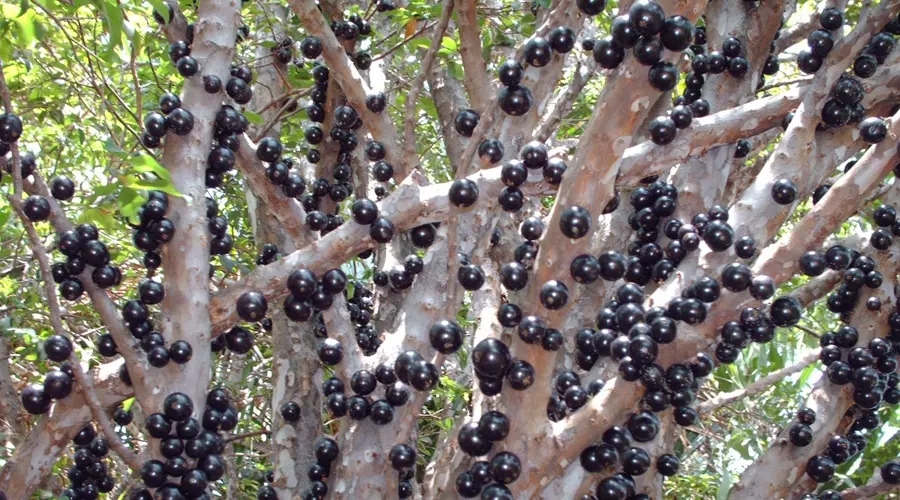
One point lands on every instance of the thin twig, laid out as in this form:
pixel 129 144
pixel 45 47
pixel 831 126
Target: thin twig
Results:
pixel 409 120
pixel 807 330
pixel 245 435
pixel 37 247
pixel 403 42
pixel 757 387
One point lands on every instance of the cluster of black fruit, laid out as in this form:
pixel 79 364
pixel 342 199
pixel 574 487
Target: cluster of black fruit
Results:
pixel 514 98
pixel 278 172
pixel 308 294
pixel 284 51
pixel 401 276
pixel 326 451
pixel 136 314
pixel 351 29
pixel 488 478
pixel 171 117
pixel 859 271
pixel 615 448
pixel 872 371
pixel 647 31
pixel 361 307
pixel 514 173
pixel 877 50
pixel 89 475
pixel 346 122
pixel 184 441
pixel 229 124
pixel 493 363
pixel 82 248
pixel 36 398
pixel 10 131
pixel 646 258
pixel 569 393
pixel 820 41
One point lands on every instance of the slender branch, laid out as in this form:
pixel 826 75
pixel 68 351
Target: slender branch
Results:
pixel 425 27
pixel 412 97
pixel 351 82
pixel 761 385
pixel 246 435
pixel 475 76
pixel 561 107
pixel 869 491
pixel 40 252
pixel 288 211
pixel 410 205
pixel 775 471
pixel 810 331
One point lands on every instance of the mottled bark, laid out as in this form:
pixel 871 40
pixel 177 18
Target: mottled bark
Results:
pixel 50 437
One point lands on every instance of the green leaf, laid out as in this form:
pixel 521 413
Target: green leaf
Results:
pixel 99 217
pixel 5 212
pixel 130 200
pixel 147 164
pixel 449 44
pixel 725 485
pixel 161 8
pixel 420 43
pixel 163 185
pixel 254 118
pixel 114 18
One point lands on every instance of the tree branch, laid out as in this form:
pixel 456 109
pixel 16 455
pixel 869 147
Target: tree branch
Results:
pixel 412 97
pixel 759 386
pixel 869 491
pixel 409 206
pixel 563 104
pixel 288 211
pixel 783 464
pixel 39 451
pixel 185 259
pixel 476 78
pixel 348 77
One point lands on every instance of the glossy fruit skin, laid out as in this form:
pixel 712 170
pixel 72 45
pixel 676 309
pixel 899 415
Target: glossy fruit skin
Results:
pixel 466 121
pixel 505 467
pixel 402 457
pixel 607 53
pixel 635 461
pixel 510 73
pixel 591 7
pixel 491 358
pixel 820 468
pixel 648 17
pixel 471 443
pixel 663 76
pixel 463 193
pixel 890 472
pixel 677 33
pixel 10 128
pixel 662 130
pixel 808 62
pixel 648 50
pixel 575 222
pixel 873 130
pixel 784 191
pixel 62 188
pixel 562 39
pixel 36 208
pixel 537 52
pixel 865 65
pixel 831 19
pixel 515 101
